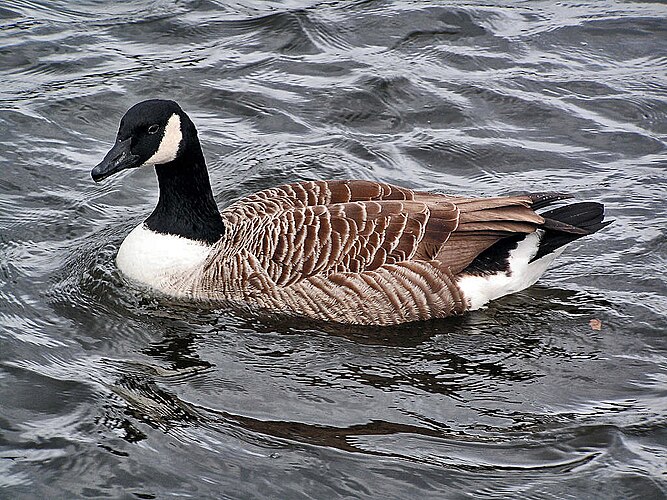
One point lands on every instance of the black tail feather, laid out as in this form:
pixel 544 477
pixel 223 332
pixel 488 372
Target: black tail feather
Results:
pixel 561 226
pixel 577 214
pixel 565 224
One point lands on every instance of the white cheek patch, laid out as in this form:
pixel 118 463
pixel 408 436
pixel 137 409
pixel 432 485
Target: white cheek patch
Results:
pixel 171 140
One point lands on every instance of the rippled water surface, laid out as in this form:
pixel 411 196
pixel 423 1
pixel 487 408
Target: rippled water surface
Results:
pixel 106 391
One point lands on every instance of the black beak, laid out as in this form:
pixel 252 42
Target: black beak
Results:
pixel 119 158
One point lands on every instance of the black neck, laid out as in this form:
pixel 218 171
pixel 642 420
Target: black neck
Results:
pixel 186 206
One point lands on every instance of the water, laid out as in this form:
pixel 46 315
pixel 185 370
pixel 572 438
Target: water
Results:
pixel 106 391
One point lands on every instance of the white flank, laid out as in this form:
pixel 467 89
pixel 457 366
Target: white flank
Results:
pixel 479 290
pixel 171 140
pixel 158 260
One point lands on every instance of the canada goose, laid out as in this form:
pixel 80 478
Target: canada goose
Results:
pixel 347 251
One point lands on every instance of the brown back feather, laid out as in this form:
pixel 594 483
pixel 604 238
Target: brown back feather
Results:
pixel 352 226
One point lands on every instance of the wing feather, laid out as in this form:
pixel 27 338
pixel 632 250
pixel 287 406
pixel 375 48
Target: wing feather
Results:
pixel 328 229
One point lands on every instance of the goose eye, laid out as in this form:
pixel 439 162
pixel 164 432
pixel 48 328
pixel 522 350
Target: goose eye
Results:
pixel 153 129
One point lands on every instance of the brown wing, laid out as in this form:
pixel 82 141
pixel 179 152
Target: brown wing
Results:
pixel 482 223
pixel 359 251
pixel 312 193
pixel 344 237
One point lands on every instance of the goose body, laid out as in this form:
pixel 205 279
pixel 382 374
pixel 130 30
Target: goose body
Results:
pixel 347 251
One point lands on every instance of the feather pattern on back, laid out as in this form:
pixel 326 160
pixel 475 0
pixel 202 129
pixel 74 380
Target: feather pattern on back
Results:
pixel 355 251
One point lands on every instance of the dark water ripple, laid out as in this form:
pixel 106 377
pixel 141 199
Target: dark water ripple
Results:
pixel 107 391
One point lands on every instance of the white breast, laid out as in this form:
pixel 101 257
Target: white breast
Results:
pixel 160 261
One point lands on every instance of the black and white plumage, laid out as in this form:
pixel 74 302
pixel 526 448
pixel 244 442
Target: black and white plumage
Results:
pixel 354 251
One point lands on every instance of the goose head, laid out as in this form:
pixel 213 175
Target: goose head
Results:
pixel 152 132
pixel 158 133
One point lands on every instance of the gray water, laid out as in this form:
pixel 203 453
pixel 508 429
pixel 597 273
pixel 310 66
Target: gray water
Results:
pixel 107 391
